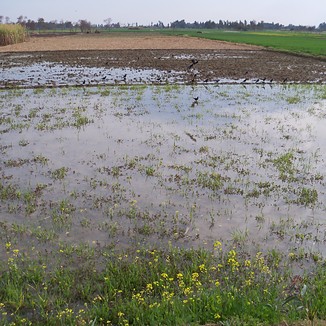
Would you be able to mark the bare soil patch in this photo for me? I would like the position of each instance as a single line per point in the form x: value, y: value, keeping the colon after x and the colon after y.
x: 119, y: 41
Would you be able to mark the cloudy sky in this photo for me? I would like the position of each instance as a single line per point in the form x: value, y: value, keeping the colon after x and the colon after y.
x: 298, y: 12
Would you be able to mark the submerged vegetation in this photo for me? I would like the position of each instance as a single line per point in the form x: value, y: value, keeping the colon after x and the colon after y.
x: 12, y: 34
x: 130, y: 205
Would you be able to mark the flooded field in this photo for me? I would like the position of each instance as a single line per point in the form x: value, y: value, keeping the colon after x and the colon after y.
x: 123, y: 165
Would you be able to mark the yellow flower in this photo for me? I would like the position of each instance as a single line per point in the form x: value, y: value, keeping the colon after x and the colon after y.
x: 187, y: 291
x: 181, y: 284
x: 138, y: 297
x: 120, y: 314
x: 179, y: 276
x: 248, y: 282
x: 194, y: 276
x: 247, y: 263
x: 217, y: 245
x: 217, y: 283
x: 217, y: 316
x: 149, y: 287
x: 232, y: 261
x: 167, y: 295
x: 202, y: 268
x: 15, y: 252
x: 133, y: 202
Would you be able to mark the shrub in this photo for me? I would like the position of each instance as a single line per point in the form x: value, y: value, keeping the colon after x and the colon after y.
x: 11, y: 34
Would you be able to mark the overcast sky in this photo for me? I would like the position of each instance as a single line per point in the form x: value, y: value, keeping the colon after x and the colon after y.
x: 297, y: 12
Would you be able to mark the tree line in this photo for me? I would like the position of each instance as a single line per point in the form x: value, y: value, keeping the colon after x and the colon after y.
x: 244, y: 25
x: 85, y: 26
x: 41, y: 24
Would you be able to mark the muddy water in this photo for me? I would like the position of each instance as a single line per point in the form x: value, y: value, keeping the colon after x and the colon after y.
x: 115, y: 165
x: 55, y: 75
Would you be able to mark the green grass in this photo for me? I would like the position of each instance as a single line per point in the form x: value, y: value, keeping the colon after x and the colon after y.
x: 11, y: 34
x: 226, y: 286
x: 309, y: 43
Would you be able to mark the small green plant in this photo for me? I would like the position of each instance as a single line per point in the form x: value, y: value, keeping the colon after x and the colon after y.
x: 285, y: 166
x: 23, y: 142
x: 80, y: 119
x: 61, y: 213
x: 293, y: 100
x: 60, y: 173
x: 40, y: 159
x: 308, y: 197
x: 213, y: 180
x: 149, y: 171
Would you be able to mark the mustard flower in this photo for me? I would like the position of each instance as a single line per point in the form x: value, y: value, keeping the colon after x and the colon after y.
x: 202, y: 268
x: 218, y: 245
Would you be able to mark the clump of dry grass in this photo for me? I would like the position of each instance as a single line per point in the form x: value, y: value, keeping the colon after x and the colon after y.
x: 11, y: 34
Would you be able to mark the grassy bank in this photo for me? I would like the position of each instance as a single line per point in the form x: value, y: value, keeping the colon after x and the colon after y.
x: 12, y: 34
x: 310, y: 43
x: 225, y: 286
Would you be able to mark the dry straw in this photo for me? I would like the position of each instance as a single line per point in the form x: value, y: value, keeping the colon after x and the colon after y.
x: 11, y: 34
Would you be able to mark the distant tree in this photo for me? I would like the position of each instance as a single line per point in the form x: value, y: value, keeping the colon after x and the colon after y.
x: 108, y: 23
x: 1, y: 19
x: 160, y: 24
x: 196, y: 24
x: 220, y: 24
x: 40, y: 23
x: 7, y: 19
x: 20, y: 20
x: 209, y: 24
x: 52, y: 24
x: 84, y: 26
x: 179, y: 24
x: 69, y: 25
x: 322, y: 26
x: 31, y: 25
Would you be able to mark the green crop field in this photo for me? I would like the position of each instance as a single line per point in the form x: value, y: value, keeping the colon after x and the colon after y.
x: 310, y: 43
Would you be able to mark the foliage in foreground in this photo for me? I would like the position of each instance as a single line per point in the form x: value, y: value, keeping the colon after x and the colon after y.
x: 12, y: 34
x: 89, y: 286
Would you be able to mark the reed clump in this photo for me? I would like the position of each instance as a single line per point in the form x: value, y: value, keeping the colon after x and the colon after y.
x: 12, y: 34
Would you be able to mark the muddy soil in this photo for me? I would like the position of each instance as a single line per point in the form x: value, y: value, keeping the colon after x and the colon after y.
x: 189, y: 60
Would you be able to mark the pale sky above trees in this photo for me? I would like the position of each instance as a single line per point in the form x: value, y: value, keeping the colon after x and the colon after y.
x: 297, y: 12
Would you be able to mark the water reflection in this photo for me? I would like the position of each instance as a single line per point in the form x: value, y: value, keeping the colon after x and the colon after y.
x: 143, y: 163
